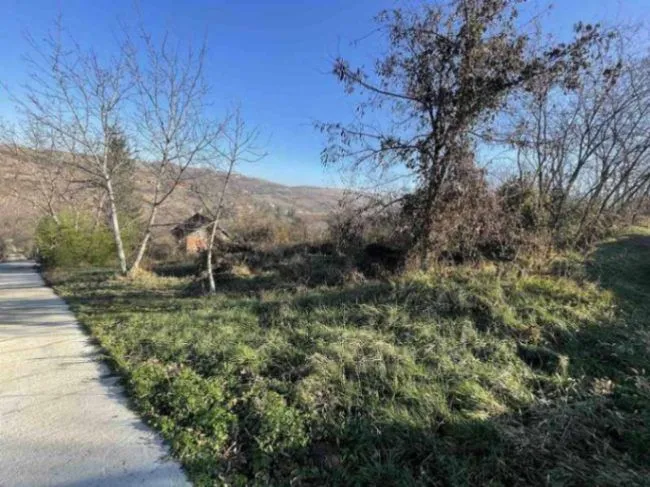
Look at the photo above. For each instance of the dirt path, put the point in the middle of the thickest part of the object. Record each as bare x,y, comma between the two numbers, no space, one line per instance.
63,419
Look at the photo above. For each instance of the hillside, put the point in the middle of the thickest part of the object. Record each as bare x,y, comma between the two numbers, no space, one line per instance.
246,193
27,191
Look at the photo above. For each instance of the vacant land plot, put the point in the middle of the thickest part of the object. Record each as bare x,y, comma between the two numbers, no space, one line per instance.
462,376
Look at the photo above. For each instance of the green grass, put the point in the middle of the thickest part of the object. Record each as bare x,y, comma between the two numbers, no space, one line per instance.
456,377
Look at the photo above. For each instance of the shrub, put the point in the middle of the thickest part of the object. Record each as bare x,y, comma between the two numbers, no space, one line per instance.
521,202
346,228
471,222
352,226
74,240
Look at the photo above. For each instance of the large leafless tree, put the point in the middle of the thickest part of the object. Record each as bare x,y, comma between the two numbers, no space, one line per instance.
174,133
448,71
78,95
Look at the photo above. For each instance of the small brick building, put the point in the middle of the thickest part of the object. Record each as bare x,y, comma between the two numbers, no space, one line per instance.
192,234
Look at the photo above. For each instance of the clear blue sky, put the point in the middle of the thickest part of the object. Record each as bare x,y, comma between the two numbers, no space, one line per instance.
272,56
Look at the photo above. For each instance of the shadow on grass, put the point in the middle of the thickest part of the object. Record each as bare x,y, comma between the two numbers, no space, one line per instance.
571,433
623,266
613,348
176,269
141,301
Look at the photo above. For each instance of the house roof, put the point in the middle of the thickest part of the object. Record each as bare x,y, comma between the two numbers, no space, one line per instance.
192,224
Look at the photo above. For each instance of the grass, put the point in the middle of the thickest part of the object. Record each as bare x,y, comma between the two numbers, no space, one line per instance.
463,376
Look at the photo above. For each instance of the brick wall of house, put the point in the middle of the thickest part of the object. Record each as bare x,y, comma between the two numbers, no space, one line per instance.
196,242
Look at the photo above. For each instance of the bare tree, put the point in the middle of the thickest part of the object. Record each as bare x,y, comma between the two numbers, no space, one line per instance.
78,97
449,70
150,94
240,146
174,133
587,152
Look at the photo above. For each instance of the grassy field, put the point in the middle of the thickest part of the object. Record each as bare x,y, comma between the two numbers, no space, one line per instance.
462,376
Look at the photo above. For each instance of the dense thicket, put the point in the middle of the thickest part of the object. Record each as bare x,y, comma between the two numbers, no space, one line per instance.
458,78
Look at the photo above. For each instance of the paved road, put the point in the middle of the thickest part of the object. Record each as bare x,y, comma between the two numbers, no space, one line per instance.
63,419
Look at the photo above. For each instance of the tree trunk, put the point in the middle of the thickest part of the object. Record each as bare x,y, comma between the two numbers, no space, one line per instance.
213,233
145,241
215,225
115,227
426,222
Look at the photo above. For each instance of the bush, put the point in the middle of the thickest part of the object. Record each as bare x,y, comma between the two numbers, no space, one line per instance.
353,226
75,240
520,201
470,221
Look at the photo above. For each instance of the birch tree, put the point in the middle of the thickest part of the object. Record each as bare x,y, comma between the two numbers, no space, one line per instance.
240,146
78,96
170,106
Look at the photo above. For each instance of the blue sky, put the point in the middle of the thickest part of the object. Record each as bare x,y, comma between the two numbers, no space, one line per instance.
274,57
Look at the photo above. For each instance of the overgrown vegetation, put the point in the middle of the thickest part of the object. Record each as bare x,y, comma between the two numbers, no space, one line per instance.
456,330
483,375
458,78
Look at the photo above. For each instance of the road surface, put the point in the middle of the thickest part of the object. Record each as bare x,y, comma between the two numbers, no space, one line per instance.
64,421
